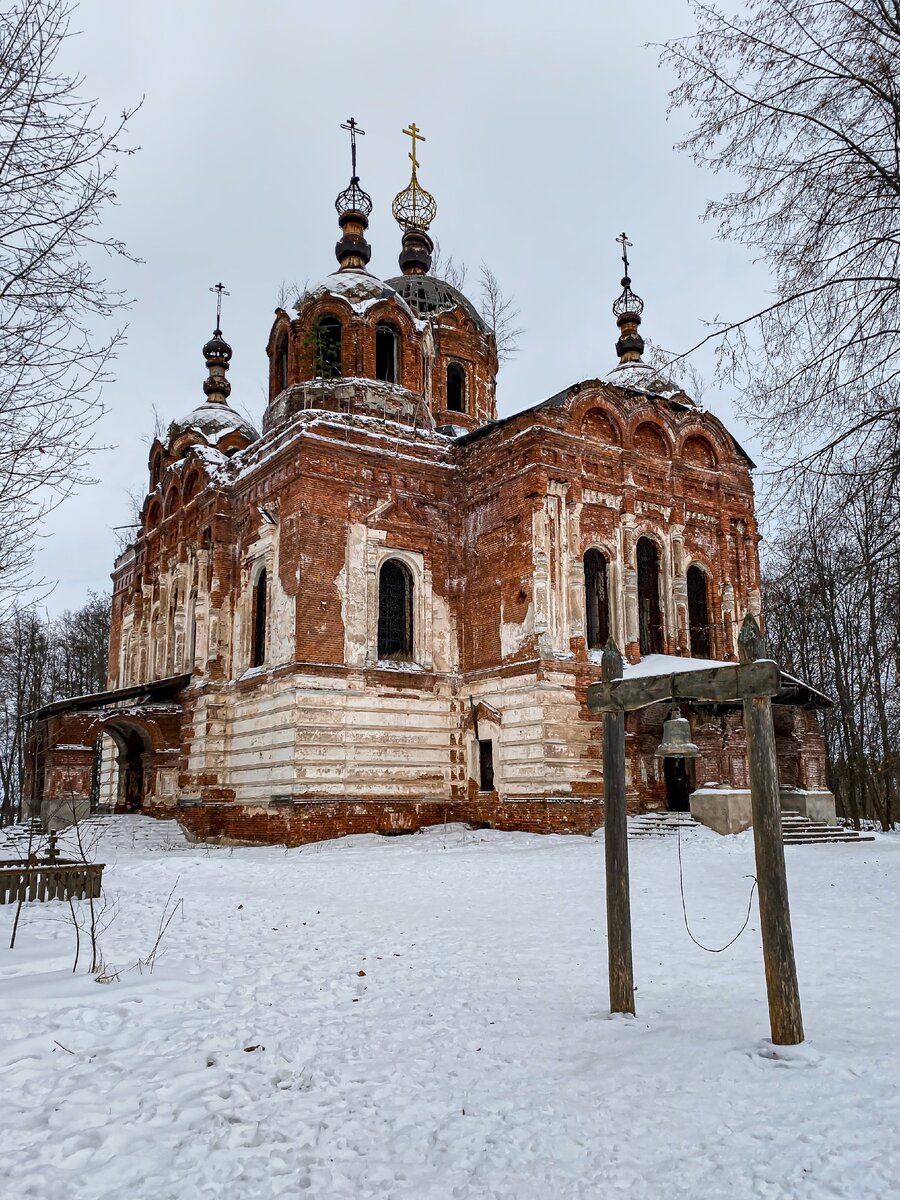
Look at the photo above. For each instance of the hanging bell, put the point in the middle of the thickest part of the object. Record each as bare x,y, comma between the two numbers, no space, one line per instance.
676,741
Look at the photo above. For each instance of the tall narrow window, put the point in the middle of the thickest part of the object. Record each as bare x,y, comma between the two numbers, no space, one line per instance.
456,388
596,600
486,765
260,599
395,616
328,348
698,613
282,364
649,616
387,349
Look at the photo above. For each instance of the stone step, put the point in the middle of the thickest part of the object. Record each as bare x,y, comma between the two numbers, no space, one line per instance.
806,840
796,830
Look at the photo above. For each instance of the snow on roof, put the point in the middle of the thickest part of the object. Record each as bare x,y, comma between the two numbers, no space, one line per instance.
359,288
793,690
642,377
214,421
669,664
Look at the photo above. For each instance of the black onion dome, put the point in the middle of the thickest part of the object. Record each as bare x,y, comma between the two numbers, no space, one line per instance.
427,296
217,348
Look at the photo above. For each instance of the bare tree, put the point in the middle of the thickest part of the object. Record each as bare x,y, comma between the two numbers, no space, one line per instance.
57,169
42,660
831,587
686,373
500,314
800,101
448,269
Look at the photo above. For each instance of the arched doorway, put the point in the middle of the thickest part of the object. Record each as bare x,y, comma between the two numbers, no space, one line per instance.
649,615
596,600
698,612
132,751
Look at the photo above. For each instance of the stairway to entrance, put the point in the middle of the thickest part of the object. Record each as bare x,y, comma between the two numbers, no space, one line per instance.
796,830
801,831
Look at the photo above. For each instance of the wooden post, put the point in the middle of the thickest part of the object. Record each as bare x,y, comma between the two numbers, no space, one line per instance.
785,1018
618,900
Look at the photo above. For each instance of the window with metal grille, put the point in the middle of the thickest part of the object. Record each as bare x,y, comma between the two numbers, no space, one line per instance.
260,599
698,612
395,611
456,388
328,348
649,615
596,600
486,765
387,350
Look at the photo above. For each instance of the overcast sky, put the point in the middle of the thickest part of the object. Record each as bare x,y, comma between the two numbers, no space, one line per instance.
547,135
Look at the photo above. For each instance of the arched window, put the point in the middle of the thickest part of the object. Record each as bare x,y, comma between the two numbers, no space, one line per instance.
698,612
260,599
395,611
456,388
173,499
155,469
281,365
596,600
387,352
328,348
649,616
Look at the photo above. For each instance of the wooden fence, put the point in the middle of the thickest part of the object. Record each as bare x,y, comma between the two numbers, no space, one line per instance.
60,880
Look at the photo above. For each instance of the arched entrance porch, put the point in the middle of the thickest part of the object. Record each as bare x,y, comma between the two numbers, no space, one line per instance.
129,774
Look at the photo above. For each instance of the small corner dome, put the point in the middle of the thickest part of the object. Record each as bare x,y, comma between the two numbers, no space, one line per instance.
360,289
212,424
642,377
427,295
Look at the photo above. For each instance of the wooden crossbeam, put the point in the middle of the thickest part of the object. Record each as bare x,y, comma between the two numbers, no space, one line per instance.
712,685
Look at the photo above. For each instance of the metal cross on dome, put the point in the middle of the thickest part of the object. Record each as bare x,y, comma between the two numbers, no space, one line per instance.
219,289
624,242
351,125
412,131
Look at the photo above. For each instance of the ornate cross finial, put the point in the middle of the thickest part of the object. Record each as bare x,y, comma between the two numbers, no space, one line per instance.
623,240
220,291
351,125
414,207
412,131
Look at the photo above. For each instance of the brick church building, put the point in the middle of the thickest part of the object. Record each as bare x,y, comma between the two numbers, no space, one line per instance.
383,609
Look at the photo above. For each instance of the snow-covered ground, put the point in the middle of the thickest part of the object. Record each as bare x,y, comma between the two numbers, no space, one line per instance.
424,1018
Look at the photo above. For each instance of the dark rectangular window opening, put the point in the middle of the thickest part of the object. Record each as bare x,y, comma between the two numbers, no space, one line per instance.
485,765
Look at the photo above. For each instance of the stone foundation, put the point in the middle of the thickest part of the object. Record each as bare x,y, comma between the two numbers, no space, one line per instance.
295,824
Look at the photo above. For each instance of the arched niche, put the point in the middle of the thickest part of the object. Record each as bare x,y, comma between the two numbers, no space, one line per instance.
598,427
697,451
650,441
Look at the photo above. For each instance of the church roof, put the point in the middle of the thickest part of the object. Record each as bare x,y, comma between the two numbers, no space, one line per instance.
427,296
359,288
642,377
213,421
